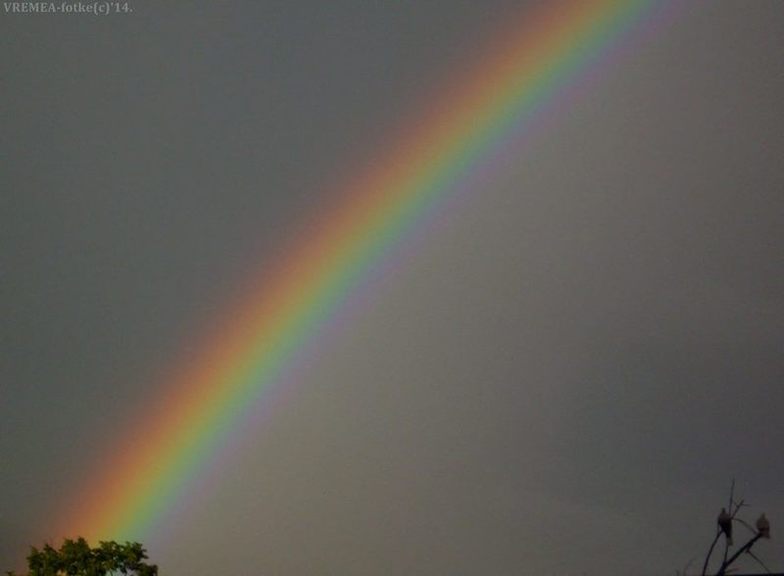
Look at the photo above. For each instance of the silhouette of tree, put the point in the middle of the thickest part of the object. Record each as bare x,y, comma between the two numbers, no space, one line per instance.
77,558
724,527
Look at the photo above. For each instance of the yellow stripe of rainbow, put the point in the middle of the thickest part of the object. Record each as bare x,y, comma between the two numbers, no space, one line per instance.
210,391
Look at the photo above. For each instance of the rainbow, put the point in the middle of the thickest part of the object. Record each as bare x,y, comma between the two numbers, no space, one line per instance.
281,313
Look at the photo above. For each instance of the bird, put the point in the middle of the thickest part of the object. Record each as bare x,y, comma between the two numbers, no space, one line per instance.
763,526
725,523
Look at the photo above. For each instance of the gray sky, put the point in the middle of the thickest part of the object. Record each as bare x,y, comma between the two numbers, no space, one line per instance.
561,378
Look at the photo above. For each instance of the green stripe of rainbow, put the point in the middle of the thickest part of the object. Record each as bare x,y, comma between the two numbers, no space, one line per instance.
282,311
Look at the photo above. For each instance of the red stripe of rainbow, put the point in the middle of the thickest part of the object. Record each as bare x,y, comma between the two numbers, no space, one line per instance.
284,309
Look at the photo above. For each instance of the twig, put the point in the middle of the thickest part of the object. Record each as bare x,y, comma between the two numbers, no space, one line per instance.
746,524
761,563
732,491
710,551
738,506
745,548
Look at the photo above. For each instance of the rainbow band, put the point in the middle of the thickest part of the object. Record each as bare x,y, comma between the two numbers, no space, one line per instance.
282,312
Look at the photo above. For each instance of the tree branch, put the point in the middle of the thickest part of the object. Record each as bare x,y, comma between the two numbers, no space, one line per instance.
745,548
761,563
746,524
710,551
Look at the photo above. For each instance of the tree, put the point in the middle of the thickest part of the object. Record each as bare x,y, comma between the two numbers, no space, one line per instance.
724,527
77,558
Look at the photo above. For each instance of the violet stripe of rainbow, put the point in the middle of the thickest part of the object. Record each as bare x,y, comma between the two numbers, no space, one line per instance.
211,390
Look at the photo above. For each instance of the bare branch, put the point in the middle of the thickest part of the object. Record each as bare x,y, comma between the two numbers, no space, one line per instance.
732,492
710,552
725,527
746,524
745,548
761,563
738,506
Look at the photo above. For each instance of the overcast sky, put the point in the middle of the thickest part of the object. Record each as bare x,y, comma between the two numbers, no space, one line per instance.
562,377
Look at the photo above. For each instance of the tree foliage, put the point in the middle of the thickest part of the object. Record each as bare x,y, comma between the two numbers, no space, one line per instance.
77,558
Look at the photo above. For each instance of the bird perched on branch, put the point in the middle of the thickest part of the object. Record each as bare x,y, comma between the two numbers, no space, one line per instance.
725,523
763,526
